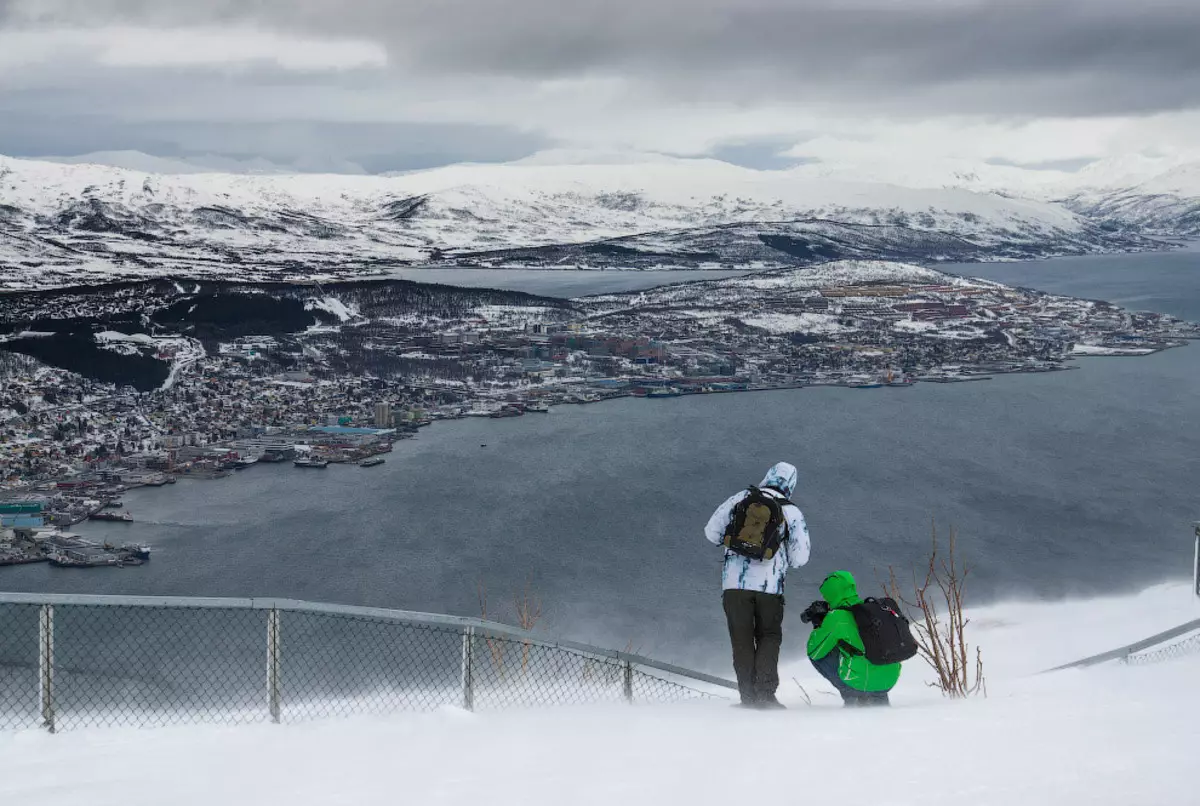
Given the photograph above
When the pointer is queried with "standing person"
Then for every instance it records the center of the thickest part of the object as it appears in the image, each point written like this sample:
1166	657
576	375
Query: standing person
764	535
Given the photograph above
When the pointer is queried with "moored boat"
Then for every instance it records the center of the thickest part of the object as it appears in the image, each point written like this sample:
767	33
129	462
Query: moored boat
311	462
77	559
139	551
117	517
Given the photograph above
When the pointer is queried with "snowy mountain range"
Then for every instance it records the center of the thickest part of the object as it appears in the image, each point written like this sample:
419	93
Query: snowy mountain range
1165	204
67	224
1133	193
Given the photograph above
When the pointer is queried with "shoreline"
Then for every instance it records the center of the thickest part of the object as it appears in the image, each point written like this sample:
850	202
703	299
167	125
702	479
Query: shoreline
297	436
508	369
1168	244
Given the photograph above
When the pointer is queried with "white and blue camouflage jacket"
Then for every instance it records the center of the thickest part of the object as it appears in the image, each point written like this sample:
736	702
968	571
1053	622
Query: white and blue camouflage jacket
766	576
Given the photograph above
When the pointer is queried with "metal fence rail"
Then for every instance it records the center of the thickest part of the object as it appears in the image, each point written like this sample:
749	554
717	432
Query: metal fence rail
1123	653
1179	649
70	661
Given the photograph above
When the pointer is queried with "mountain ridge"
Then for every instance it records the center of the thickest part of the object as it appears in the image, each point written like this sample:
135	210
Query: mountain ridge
66	224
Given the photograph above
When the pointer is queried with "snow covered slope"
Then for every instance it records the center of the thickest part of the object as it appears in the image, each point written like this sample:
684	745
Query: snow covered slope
981	177
74	224
1108	736
1166	203
734	290
1156	195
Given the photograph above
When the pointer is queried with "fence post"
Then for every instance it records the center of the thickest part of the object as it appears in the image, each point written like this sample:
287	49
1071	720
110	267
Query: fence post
46	665
629	682
1196	563
468	677
273	664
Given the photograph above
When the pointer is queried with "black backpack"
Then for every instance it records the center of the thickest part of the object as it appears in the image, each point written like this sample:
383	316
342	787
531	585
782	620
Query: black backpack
757	527
883	630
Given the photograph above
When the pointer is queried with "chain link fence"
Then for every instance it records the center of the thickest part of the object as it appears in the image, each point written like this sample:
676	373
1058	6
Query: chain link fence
1180	649
1125	654
87	661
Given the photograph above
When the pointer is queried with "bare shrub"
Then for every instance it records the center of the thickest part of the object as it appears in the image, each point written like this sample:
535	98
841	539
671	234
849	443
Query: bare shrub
528	606
495	647
942	626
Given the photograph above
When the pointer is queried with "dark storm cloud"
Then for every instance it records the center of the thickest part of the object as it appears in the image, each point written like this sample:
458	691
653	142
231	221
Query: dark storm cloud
486	80
764	155
1073	57
307	145
62	110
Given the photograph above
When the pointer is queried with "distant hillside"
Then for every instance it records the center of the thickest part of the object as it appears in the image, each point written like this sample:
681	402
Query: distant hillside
103	332
67	224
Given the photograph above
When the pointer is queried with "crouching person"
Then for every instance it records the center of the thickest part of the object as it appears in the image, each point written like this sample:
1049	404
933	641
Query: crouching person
857	645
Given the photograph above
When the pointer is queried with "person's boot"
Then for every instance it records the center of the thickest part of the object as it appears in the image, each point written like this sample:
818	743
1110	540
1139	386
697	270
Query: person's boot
749	699
768	702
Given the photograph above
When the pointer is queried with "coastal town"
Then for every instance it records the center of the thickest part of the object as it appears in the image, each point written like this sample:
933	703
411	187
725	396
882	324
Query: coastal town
361	367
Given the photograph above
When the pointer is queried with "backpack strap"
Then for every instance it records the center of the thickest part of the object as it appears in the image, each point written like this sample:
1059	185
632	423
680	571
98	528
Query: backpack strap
783	498
848	648
783	502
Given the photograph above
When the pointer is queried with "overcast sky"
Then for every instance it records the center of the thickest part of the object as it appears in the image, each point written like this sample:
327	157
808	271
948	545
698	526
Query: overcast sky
398	84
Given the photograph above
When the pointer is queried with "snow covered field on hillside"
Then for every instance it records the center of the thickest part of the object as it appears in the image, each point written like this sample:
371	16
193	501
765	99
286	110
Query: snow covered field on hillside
1113	734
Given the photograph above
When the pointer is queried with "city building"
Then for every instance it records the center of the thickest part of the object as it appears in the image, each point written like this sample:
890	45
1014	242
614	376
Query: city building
383	415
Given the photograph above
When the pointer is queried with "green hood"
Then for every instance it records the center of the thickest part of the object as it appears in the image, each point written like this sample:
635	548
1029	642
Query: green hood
840	590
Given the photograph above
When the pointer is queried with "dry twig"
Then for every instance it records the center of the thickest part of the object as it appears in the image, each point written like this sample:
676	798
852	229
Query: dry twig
807	699
529	610
495	647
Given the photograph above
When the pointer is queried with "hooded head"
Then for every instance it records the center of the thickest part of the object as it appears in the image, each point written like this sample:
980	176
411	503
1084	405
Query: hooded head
782	477
840	590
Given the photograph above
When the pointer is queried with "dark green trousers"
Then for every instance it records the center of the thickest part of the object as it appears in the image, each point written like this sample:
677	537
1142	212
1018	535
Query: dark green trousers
756	633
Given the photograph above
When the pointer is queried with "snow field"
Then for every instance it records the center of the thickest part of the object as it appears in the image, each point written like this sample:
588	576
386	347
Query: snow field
1108	735
795	322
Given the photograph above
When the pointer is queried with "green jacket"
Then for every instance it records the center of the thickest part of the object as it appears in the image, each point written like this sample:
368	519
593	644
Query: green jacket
839	630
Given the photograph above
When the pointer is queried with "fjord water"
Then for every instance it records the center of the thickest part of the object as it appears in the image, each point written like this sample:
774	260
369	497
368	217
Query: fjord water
1070	483
1166	282
558	283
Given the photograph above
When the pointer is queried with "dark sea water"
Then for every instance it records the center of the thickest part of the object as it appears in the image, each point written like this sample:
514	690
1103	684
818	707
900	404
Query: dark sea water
1069	483
1166	282
558	283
